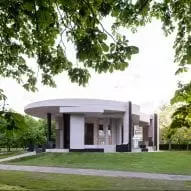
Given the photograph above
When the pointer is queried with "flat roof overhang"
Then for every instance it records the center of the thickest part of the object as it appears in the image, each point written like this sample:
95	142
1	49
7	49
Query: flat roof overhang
88	107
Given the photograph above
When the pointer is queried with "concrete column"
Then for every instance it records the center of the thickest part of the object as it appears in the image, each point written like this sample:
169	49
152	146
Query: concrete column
156	132
77	131
114	131
66	124
105	127
119	131
49	137
96	132
128	126
57	132
61	126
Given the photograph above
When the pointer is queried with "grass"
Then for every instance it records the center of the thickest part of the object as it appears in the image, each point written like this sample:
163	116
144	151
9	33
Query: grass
14	180
158	162
10	154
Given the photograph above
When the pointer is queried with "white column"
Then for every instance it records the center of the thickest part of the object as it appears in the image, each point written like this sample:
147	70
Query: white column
95	132
126	126
77	131
119	132
105	127
114	131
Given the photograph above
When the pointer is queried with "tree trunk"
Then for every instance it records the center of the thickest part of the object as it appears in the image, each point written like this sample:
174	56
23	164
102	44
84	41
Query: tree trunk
169	146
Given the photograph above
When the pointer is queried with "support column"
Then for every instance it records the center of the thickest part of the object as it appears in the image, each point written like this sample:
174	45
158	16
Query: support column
119	131
156	130
57	132
114	131
77	131
49	130
105	127
130	127
127	126
66	124
61	125
95	132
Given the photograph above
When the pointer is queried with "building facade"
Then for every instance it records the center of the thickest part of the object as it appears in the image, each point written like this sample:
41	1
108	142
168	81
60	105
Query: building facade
97	125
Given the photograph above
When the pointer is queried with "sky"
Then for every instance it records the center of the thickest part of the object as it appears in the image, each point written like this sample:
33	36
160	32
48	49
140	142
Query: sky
148	81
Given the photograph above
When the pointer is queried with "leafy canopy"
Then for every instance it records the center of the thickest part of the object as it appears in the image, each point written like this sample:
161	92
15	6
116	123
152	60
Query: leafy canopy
182	115
35	29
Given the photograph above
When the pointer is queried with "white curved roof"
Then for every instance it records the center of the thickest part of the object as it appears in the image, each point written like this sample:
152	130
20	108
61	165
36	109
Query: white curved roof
56	106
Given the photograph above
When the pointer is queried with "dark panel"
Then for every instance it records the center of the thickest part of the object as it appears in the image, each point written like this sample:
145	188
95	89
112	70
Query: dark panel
130	126
86	150
49	126
89	134
122	133
155	129
122	148
151	130
66	120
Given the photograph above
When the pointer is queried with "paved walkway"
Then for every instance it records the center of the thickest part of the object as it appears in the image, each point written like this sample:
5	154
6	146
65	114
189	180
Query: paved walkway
18	156
93	172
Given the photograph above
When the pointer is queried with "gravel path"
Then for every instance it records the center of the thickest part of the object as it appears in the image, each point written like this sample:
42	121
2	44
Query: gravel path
93	172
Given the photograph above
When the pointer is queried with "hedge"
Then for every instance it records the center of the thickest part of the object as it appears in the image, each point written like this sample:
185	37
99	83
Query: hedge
179	147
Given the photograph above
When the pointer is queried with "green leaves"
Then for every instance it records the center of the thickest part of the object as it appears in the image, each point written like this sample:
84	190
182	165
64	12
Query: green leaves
35	29
79	75
2	95
182	115
12	120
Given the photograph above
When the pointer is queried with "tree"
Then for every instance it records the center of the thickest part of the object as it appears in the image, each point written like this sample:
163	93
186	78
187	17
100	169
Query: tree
34	135
181	136
165	120
35	29
182	116
11	124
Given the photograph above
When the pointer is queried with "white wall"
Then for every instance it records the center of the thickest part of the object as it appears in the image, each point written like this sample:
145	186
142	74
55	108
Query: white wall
77	131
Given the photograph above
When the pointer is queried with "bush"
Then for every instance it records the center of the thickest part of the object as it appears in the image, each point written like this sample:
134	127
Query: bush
178	147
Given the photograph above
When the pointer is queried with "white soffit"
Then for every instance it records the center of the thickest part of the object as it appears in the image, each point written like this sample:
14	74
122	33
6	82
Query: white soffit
81	109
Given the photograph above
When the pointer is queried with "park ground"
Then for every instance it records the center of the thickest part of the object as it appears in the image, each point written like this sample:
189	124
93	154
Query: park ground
159	162
154	162
13	180
10	154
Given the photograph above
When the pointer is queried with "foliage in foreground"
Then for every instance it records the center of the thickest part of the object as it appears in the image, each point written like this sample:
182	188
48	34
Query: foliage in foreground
170	132
182	115
42	29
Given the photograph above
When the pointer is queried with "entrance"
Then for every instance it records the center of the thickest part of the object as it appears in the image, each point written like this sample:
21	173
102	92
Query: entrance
89	134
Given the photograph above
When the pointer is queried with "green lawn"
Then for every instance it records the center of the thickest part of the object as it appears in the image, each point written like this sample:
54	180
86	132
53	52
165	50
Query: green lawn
158	162
10	154
14	180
